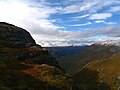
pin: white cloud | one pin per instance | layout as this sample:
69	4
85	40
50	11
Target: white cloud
71	9
35	20
114	9
109	31
74	8
87	5
83	16
17	12
91	6
100	16
99	21
95	5
78	25
68	42
111	2
98	5
108	23
35	17
90	37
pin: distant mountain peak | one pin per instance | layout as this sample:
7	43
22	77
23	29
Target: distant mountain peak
110	42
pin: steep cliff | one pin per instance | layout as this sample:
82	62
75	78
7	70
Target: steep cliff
16	36
24	65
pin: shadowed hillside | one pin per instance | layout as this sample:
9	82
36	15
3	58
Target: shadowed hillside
60	52
75	62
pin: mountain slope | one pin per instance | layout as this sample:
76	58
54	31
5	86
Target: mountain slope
74	63
15	34
24	65
60	52
100	75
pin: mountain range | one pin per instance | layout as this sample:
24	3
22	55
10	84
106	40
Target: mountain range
76	61
96	67
25	65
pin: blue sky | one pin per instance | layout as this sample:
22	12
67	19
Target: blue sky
80	14
64	22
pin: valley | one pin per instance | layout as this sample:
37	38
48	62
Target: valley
94	68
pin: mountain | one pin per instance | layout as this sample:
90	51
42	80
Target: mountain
24	65
100	75
63	51
64	43
16	35
115	42
73	63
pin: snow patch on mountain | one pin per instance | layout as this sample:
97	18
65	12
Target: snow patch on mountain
110	42
79	42
63	43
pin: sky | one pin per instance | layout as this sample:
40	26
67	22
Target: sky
64	22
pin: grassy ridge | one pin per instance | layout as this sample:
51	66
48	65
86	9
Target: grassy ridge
100	75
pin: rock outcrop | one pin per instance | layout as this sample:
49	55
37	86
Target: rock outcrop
24	65
18	36
15	37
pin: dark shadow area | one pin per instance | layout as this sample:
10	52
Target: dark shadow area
17	67
17	80
88	79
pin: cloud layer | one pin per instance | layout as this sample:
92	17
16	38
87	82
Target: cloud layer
100	16
63	22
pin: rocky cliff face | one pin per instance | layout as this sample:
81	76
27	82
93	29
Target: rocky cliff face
24	65
16	35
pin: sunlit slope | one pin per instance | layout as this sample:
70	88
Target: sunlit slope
100	75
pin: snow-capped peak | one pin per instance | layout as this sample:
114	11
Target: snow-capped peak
62	43
110	42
